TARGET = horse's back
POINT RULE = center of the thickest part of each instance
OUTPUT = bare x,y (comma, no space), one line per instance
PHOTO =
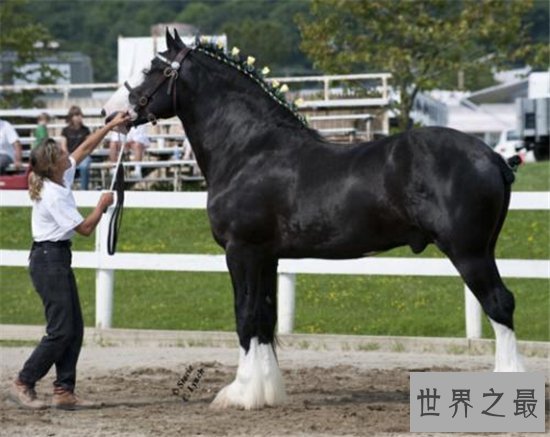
437,157
419,186
324,200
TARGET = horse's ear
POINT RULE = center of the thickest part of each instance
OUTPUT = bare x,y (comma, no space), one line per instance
169,40
177,39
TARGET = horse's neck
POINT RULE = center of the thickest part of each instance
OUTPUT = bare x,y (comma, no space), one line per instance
218,130
195,137
227,117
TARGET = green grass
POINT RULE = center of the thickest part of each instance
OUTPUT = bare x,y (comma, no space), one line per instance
18,343
533,176
375,305
526,234
416,306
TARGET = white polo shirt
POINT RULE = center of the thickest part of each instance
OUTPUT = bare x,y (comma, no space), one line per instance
8,136
137,134
55,215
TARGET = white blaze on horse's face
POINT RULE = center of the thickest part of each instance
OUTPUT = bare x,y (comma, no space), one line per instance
119,101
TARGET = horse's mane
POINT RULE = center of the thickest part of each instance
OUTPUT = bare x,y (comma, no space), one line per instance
239,63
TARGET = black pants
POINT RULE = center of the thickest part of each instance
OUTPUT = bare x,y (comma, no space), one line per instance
53,279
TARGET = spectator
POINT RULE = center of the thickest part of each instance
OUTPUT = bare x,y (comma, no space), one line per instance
136,140
55,219
72,136
41,131
10,147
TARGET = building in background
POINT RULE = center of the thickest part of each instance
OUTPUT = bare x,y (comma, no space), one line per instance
486,113
135,53
74,67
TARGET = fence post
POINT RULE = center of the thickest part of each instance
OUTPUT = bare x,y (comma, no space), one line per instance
384,87
104,278
326,89
473,314
286,302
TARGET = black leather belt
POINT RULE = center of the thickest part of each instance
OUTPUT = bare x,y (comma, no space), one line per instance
62,243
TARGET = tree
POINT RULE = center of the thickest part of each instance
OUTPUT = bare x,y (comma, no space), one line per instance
262,28
27,42
93,26
420,42
537,54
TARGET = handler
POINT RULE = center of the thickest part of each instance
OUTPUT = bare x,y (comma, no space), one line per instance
55,219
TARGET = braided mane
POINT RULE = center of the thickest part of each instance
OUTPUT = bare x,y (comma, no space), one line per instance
249,70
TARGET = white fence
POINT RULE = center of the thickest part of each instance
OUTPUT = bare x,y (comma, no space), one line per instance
336,90
106,265
369,92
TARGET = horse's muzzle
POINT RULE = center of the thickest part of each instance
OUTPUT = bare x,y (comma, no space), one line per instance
110,117
121,128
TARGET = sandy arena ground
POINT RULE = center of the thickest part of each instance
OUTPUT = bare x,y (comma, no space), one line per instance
355,393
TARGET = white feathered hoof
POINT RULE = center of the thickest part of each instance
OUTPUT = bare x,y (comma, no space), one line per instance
507,357
258,382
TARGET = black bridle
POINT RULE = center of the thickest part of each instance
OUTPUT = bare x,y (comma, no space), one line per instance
170,73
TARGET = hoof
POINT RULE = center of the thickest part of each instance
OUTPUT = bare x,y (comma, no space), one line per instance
258,383
507,356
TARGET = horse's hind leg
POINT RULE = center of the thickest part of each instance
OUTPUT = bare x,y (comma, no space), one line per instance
482,277
258,381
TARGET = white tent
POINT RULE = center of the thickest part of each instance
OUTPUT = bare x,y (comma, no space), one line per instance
135,53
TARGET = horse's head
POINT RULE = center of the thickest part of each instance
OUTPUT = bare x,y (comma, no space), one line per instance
151,94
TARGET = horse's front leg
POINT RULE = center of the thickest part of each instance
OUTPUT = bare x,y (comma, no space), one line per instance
258,382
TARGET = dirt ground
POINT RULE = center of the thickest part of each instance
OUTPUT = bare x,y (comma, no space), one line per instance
354,393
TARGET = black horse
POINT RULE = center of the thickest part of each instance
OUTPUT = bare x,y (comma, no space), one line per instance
276,189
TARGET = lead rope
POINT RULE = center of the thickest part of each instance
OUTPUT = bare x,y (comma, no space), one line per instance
117,184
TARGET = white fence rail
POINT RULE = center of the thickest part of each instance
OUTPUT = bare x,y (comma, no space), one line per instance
336,90
106,265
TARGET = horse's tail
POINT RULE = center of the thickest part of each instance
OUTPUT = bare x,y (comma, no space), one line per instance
514,162
508,167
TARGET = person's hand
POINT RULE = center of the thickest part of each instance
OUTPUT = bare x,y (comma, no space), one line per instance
118,119
106,200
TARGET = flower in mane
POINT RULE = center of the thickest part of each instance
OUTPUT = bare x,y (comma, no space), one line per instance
246,66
